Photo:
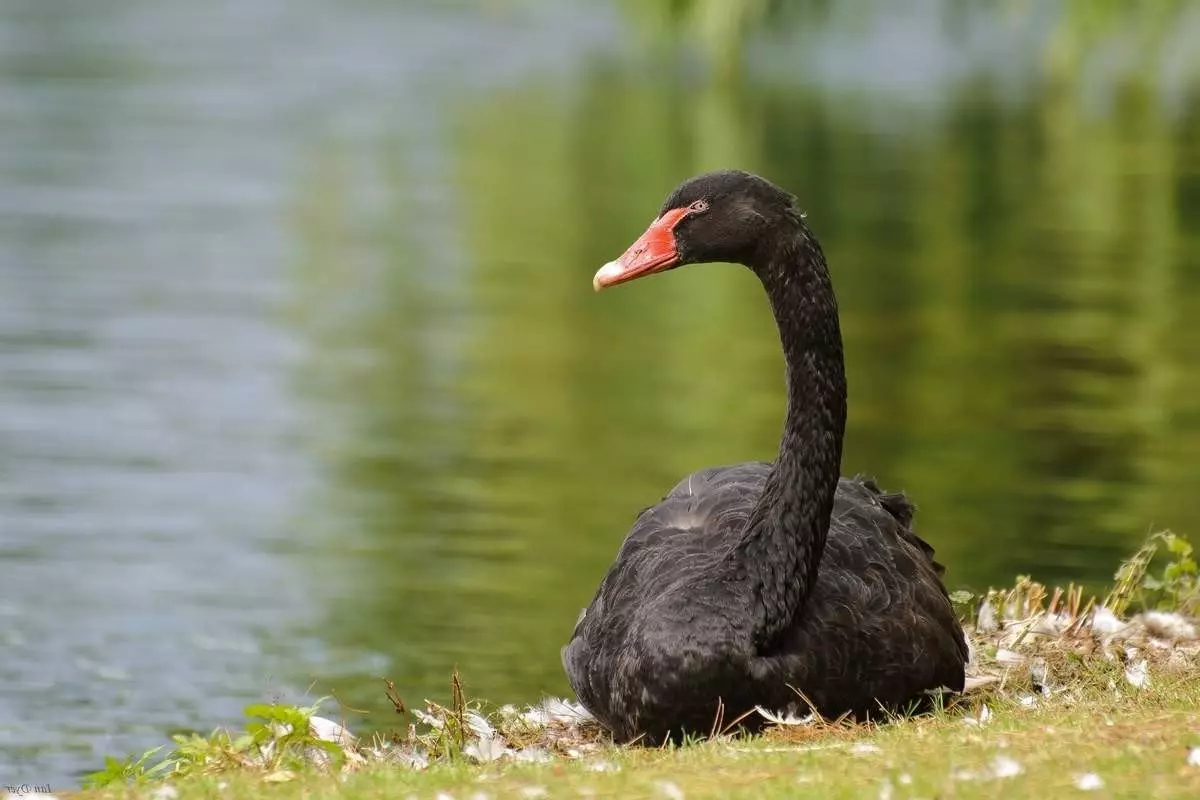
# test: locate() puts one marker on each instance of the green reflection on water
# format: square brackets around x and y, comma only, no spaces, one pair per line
[1016,301]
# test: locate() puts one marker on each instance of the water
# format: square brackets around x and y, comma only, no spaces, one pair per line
[304,380]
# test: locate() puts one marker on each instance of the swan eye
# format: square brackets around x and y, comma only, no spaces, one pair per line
[698,207]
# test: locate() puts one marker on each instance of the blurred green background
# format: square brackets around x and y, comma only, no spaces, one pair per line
[304,381]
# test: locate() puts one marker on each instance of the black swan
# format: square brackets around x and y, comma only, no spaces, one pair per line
[756,584]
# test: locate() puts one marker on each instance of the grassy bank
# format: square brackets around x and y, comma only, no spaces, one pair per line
[1067,697]
[1113,743]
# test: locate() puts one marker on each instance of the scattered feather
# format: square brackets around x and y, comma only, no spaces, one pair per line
[986,621]
[1088,782]
[1105,622]
[1000,767]
[432,720]
[1005,767]
[1009,658]
[1193,758]
[329,731]
[1040,674]
[1136,674]
[479,725]
[1167,625]
[787,718]
[802,748]
[486,749]
[532,755]
[864,748]
[974,683]
[984,717]
[1052,624]
[669,790]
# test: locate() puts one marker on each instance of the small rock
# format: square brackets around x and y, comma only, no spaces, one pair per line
[1088,782]
[1193,758]
[603,766]
[864,748]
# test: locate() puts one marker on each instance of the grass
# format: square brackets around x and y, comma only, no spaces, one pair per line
[1066,699]
[1137,744]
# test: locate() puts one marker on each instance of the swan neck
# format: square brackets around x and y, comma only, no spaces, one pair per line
[784,539]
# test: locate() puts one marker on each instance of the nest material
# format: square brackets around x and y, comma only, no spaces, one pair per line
[1017,633]
[1023,642]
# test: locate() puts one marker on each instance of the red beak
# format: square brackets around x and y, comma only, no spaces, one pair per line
[653,252]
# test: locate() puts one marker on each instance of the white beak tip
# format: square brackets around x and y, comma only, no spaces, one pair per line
[604,275]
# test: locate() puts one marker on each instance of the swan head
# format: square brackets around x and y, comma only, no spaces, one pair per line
[730,216]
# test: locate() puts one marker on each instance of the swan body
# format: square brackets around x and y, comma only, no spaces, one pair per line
[772,584]
[868,638]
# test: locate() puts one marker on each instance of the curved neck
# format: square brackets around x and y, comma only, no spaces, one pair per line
[780,548]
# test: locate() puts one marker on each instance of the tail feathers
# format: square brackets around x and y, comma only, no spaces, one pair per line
[899,506]
[895,503]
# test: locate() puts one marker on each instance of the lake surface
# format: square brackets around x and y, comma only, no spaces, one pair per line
[303,381]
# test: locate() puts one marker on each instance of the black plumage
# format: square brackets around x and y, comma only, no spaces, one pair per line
[751,584]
